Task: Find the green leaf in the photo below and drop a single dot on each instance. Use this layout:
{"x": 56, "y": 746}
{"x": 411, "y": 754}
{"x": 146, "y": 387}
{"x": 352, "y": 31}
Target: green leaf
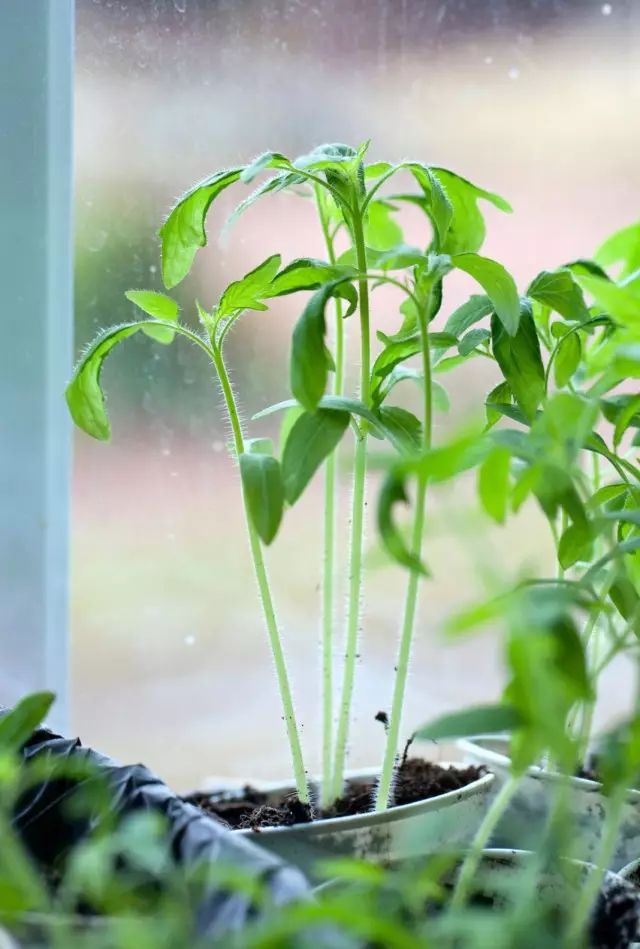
{"x": 493, "y": 483}
{"x": 476, "y": 308}
{"x": 292, "y": 412}
{"x": 312, "y": 438}
{"x": 567, "y": 360}
{"x": 381, "y": 229}
{"x": 17, "y": 725}
{"x": 559, "y": 291}
{"x": 607, "y": 493}
{"x": 466, "y": 230}
{"x": 520, "y": 361}
{"x": 620, "y": 303}
{"x": 449, "y": 460}
{"x": 246, "y": 293}
{"x": 161, "y": 307}
{"x": 84, "y": 394}
{"x": 396, "y": 352}
{"x": 402, "y": 427}
{"x": 497, "y": 283}
{"x": 620, "y": 550}
{"x": 507, "y": 410}
{"x": 336, "y": 403}
{"x": 629, "y": 416}
{"x": 308, "y": 366}
{"x": 576, "y": 544}
{"x": 472, "y": 340}
{"x": 393, "y": 492}
{"x": 264, "y": 493}
{"x": 626, "y": 600}
{"x": 478, "y": 720}
{"x": 623, "y": 247}
{"x": 263, "y": 162}
{"x": 497, "y": 398}
{"x": 259, "y": 446}
{"x": 271, "y": 186}
{"x": 306, "y": 274}
{"x": 184, "y": 232}
{"x": 436, "y": 203}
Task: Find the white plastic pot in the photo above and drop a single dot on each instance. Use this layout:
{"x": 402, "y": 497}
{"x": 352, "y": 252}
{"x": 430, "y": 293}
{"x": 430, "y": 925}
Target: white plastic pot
{"x": 446, "y": 822}
{"x": 524, "y": 820}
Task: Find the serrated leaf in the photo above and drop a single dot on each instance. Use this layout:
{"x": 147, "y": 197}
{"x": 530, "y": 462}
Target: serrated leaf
{"x": 497, "y": 283}
{"x": 567, "y": 359}
{"x": 402, "y": 427}
{"x": 264, "y": 493}
{"x": 475, "y": 309}
{"x": 84, "y": 394}
{"x": 18, "y": 724}
{"x": 559, "y": 291}
{"x": 308, "y": 365}
{"x": 472, "y": 340}
{"x": 393, "y": 492}
{"x": 246, "y": 293}
{"x": 312, "y": 438}
{"x": 184, "y": 230}
{"x": 493, "y": 483}
{"x": 306, "y": 273}
{"x": 161, "y": 307}
{"x": 478, "y": 720}
{"x": 520, "y": 360}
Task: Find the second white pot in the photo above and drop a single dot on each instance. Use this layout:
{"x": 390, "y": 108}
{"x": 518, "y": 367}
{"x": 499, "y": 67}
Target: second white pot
{"x": 446, "y": 822}
{"x": 524, "y": 820}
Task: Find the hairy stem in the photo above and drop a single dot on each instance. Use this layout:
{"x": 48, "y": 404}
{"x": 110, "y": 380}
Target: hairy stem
{"x": 411, "y": 598}
{"x": 329, "y": 548}
{"x": 357, "y": 524}
{"x": 266, "y": 598}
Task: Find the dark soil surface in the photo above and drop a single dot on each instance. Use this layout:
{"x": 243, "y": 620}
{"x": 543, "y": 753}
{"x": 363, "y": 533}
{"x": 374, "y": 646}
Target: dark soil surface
{"x": 416, "y": 780}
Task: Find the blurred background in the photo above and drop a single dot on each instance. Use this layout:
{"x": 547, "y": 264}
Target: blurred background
{"x": 536, "y": 99}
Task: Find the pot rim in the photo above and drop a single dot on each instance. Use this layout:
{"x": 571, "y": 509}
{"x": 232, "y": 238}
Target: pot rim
{"x": 473, "y": 742}
{"x": 481, "y": 785}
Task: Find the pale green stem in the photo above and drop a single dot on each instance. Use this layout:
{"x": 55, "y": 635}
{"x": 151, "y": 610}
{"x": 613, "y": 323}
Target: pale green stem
{"x": 589, "y": 891}
{"x": 266, "y": 598}
{"x": 357, "y": 525}
{"x": 329, "y": 551}
{"x": 483, "y": 835}
{"x": 411, "y": 599}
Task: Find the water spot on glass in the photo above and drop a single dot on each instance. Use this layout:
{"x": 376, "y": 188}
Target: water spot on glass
{"x": 153, "y": 268}
{"x": 166, "y": 451}
{"x": 189, "y": 640}
{"x": 488, "y": 60}
{"x": 180, "y": 5}
{"x": 96, "y": 241}
{"x": 174, "y": 474}
{"x": 171, "y": 537}
{"x": 514, "y": 73}
{"x": 607, "y": 9}
{"x": 218, "y": 446}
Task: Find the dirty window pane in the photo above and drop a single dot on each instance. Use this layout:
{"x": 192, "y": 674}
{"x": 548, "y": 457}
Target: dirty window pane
{"x": 532, "y": 98}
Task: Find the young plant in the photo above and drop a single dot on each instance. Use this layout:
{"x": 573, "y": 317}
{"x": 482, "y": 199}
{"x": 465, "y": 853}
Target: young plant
{"x": 350, "y": 204}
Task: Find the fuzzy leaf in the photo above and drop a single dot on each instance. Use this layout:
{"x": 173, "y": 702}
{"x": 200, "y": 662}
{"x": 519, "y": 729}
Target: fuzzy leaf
{"x": 161, "y": 307}
{"x": 497, "y": 283}
{"x": 476, "y": 308}
{"x": 402, "y": 427}
{"x": 559, "y": 291}
{"x": 306, "y": 274}
{"x": 264, "y": 492}
{"x": 472, "y": 340}
{"x": 520, "y": 360}
{"x": 246, "y": 293}
{"x": 312, "y": 438}
{"x": 184, "y": 230}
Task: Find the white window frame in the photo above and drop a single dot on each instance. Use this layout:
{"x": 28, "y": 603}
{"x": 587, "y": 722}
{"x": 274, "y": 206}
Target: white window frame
{"x": 36, "y": 346}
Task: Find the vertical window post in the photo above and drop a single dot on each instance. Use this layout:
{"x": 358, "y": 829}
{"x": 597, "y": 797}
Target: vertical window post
{"x": 36, "y": 323}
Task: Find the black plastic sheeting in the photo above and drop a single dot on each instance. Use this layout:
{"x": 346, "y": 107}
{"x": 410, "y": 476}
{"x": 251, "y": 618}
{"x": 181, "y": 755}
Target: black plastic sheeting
{"x": 49, "y": 831}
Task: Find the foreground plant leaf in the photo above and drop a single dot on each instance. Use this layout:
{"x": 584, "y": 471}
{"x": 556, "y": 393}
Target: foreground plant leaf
{"x": 17, "y": 725}
{"x": 247, "y": 293}
{"x": 493, "y": 483}
{"x": 559, "y": 291}
{"x": 159, "y": 306}
{"x": 312, "y": 438}
{"x": 478, "y": 720}
{"x": 264, "y": 491}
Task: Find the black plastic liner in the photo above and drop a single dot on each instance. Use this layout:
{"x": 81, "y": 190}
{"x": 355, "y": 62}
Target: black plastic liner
{"x": 49, "y": 830}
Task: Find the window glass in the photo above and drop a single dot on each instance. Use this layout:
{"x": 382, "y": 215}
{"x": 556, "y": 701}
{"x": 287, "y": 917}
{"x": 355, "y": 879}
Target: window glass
{"x": 535, "y": 99}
